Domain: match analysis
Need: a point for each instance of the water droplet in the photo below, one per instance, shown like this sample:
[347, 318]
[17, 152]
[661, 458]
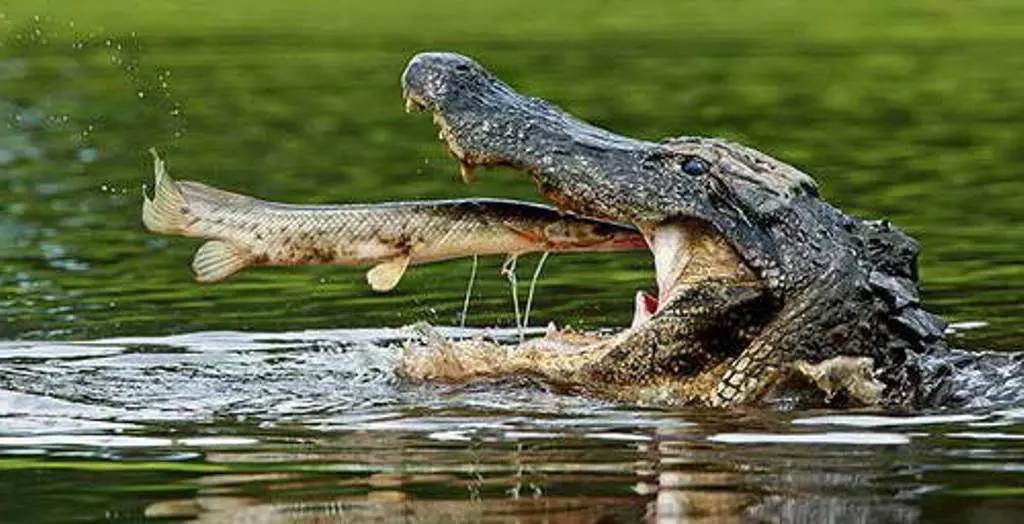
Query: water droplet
[141, 94]
[88, 155]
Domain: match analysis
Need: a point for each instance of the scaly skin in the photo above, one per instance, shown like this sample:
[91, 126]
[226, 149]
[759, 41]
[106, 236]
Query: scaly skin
[246, 231]
[790, 278]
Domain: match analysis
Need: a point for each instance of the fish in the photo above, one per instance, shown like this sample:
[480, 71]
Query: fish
[243, 231]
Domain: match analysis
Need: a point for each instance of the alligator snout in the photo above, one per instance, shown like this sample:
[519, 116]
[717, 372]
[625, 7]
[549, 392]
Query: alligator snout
[485, 122]
[463, 98]
[434, 80]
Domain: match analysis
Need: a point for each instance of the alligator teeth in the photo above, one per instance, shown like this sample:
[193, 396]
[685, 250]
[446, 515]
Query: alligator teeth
[411, 104]
[646, 306]
[466, 170]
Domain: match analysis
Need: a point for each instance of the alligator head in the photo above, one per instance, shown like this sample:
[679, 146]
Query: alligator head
[755, 272]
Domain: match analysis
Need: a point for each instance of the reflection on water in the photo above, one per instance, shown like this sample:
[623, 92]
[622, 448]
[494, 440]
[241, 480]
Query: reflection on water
[129, 392]
[311, 425]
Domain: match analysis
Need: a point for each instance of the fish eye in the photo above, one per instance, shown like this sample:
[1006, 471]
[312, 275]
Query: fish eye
[694, 166]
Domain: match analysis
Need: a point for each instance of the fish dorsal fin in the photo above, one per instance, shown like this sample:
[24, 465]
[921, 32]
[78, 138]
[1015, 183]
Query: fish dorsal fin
[217, 260]
[385, 276]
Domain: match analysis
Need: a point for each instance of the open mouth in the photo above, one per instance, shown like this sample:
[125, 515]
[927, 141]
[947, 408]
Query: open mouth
[662, 189]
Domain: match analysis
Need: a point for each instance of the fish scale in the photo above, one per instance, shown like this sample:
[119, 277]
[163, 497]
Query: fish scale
[243, 231]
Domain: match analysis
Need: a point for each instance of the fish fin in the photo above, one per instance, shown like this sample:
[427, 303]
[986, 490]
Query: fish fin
[385, 276]
[166, 212]
[194, 191]
[217, 260]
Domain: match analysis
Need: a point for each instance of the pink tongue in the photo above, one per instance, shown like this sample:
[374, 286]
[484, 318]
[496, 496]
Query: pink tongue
[646, 305]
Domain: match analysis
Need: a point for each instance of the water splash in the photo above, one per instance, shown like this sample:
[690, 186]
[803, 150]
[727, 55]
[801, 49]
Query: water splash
[508, 270]
[469, 291]
[533, 287]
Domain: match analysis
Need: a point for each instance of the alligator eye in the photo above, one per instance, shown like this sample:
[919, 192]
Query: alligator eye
[694, 166]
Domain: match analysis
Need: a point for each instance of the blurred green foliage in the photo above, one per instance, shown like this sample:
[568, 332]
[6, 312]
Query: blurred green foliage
[905, 110]
[915, 20]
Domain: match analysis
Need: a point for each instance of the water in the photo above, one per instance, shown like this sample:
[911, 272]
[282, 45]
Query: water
[127, 391]
[311, 425]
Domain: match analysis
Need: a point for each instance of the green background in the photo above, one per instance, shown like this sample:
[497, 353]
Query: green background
[905, 110]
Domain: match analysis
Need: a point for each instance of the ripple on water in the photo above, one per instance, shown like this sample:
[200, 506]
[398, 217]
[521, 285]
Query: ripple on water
[876, 421]
[845, 438]
[280, 414]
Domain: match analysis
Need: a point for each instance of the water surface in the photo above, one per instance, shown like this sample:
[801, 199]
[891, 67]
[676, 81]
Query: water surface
[309, 425]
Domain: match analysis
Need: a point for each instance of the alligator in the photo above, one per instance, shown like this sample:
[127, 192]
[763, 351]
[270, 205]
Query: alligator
[757, 275]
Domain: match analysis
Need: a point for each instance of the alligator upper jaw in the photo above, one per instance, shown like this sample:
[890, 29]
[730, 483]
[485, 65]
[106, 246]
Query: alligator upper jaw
[582, 168]
[484, 122]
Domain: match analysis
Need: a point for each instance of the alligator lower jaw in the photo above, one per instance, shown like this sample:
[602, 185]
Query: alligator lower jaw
[687, 251]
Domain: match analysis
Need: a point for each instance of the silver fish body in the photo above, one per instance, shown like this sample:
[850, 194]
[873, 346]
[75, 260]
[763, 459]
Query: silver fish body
[246, 231]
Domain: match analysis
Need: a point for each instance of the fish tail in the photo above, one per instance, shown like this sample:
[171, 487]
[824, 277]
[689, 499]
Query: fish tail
[165, 212]
[217, 260]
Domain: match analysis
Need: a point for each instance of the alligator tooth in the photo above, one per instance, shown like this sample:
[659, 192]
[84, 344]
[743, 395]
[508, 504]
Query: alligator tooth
[646, 305]
[466, 170]
[669, 243]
